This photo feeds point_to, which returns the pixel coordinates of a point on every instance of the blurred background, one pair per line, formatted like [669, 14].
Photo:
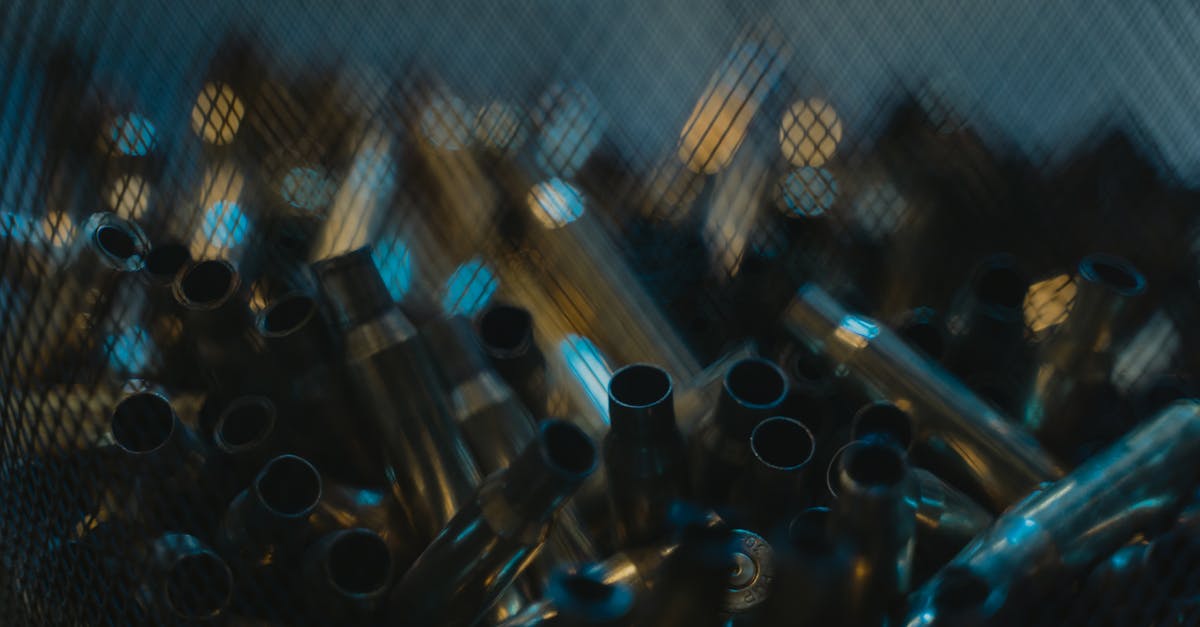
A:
[652, 181]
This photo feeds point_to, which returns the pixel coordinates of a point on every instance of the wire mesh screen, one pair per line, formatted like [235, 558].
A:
[633, 182]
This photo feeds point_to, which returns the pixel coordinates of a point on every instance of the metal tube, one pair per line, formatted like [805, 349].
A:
[391, 369]
[752, 390]
[690, 589]
[772, 486]
[185, 580]
[314, 392]
[947, 520]
[923, 329]
[883, 421]
[579, 597]
[644, 453]
[874, 509]
[506, 333]
[495, 537]
[273, 512]
[217, 318]
[1003, 462]
[1077, 358]
[988, 321]
[813, 571]
[496, 426]
[1069, 525]
[349, 572]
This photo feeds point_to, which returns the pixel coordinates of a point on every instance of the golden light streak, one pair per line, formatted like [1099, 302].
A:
[217, 114]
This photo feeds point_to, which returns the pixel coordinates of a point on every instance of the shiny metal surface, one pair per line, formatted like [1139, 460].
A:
[185, 580]
[720, 449]
[349, 572]
[875, 511]
[494, 537]
[645, 458]
[1077, 358]
[947, 520]
[272, 513]
[431, 465]
[1064, 528]
[577, 597]
[772, 486]
[1002, 460]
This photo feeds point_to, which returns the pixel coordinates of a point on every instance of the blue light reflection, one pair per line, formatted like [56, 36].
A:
[469, 288]
[133, 134]
[129, 350]
[589, 367]
[225, 224]
[394, 260]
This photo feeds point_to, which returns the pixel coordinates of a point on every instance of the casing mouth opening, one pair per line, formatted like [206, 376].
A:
[506, 331]
[567, 449]
[198, 586]
[245, 424]
[358, 563]
[207, 285]
[756, 383]
[782, 443]
[288, 486]
[1113, 272]
[287, 315]
[639, 386]
[143, 423]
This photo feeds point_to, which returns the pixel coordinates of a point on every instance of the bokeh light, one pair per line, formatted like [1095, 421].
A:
[718, 123]
[225, 226]
[555, 203]
[500, 126]
[587, 365]
[469, 288]
[809, 132]
[132, 134]
[58, 229]
[217, 114]
[1048, 302]
[444, 122]
[307, 188]
[879, 209]
[129, 350]
[394, 261]
[128, 197]
[572, 125]
[807, 192]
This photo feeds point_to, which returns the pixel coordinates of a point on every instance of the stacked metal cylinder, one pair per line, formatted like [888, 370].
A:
[308, 446]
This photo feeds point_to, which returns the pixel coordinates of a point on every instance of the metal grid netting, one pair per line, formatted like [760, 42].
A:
[726, 155]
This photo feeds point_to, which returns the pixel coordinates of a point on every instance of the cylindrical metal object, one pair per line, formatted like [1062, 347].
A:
[349, 572]
[813, 572]
[1062, 529]
[392, 371]
[752, 390]
[644, 454]
[218, 322]
[273, 512]
[506, 334]
[1003, 462]
[771, 487]
[988, 321]
[690, 589]
[923, 329]
[494, 537]
[1078, 357]
[579, 597]
[314, 392]
[496, 426]
[883, 421]
[489, 414]
[185, 581]
[947, 520]
[874, 510]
